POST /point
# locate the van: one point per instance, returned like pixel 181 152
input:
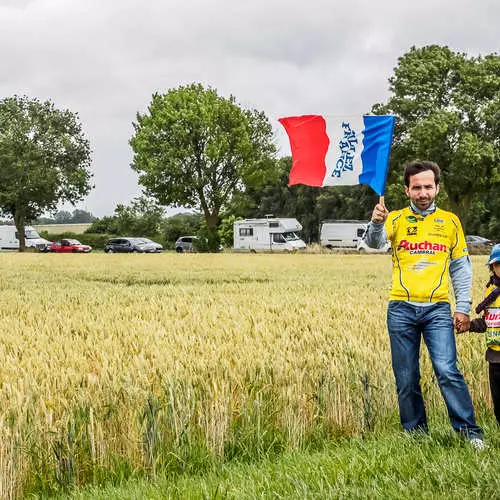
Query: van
pixel 9 239
pixel 342 233
pixel 348 234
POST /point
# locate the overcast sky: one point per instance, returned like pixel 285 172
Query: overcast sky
pixel 104 58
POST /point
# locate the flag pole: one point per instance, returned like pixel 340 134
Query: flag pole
pixel 381 201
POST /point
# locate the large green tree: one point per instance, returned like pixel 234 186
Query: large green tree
pixel 447 106
pixel 196 149
pixel 44 159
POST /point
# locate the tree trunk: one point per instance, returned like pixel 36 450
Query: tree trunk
pixel 461 208
pixel 19 222
pixel 212 221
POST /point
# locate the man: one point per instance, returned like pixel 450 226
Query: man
pixel 428 246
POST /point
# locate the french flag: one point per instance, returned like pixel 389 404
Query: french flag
pixel 336 151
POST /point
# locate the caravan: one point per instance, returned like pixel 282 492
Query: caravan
pixel 347 234
pixel 269 234
pixel 9 239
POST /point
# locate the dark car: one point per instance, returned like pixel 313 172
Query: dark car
pixel 478 241
pixel 69 246
pixel 130 245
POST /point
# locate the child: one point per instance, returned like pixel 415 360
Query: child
pixel 490 323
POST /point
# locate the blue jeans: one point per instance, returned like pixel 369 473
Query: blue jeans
pixel 407 323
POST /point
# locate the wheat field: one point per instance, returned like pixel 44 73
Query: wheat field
pixel 113 364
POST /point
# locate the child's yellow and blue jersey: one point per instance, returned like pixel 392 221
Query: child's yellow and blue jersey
pixel 422 247
pixel 492 320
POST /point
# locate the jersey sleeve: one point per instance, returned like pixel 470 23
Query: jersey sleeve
pixel 389 225
pixel 459 246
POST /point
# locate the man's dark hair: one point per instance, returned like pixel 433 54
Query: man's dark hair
pixel 417 166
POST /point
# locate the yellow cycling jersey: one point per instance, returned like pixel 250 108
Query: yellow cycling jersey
pixel 422 247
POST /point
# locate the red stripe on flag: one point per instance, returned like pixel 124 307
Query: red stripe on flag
pixel 309 144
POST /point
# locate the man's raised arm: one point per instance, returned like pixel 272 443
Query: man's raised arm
pixel 375 235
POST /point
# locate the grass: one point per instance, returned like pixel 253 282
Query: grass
pixel 382 466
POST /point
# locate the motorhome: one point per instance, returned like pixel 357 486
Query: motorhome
pixel 346 234
pixel 9 239
pixel 268 234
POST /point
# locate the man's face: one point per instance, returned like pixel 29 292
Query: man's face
pixel 422 190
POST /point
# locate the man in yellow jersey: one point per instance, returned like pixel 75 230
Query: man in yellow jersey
pixel 428 247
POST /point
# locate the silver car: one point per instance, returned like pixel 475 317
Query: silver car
pixel 157 247
pixel 185 244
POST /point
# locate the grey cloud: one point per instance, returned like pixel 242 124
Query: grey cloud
pixel 104 59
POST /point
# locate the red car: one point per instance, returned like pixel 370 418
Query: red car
pixel 69 246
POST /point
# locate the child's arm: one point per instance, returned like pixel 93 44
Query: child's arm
pixel 478 325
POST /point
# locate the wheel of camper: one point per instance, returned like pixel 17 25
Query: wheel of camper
pixel 178 249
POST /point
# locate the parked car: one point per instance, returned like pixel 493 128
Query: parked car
pixel 69 246
pixel 362 247
pixel 157 246
pixel 130 245
pixel 185 244
pixel 475 241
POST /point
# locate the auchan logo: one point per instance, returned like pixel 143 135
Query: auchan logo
pixel 422 246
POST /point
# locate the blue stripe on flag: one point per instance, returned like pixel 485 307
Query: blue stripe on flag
pixel 377 139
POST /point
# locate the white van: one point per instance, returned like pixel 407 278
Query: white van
pixel 269 234
pixel 9 239
pixel 347 234
pixel 342 233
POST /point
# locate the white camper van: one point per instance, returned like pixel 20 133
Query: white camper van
pixel 342 233
pixel 9 239
pixel 347 234
pixel 269 234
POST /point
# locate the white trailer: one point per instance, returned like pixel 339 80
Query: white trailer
pixel 9 239
pixel 269 234
pixel 347 234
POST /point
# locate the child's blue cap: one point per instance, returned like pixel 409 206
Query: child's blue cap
pixel 494 254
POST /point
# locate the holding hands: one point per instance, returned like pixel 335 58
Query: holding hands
pixel 461 322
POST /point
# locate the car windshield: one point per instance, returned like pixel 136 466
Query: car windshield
pixel 31 234
pixel 138 241
pixel 290 236
pixel 73 242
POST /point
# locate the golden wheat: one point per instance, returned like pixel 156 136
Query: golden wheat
pixel 139 357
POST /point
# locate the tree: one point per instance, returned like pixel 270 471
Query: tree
pixel 62 217
pixel 81 216
pixel 196 149
pixel 447 108
pixel 44 159
pixel 180 225
pixel 143 217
